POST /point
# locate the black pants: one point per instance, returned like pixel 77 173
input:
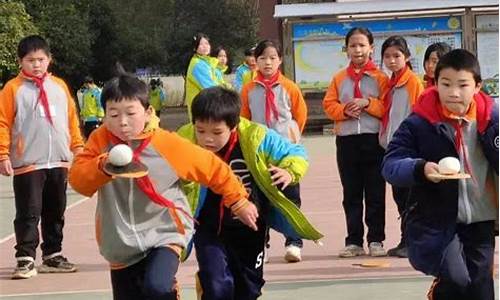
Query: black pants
pixel 400 195
pixel 231 264
pixel 40 194
pixel 292 192
pixel 153 278
pixel 90 126
pixel 467 269
pixel 359 159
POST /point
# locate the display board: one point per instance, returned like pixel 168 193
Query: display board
pixel 487 51
pixel 319 47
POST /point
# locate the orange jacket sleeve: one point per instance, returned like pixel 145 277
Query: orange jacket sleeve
pixel 7 115
pixel 415 88
pixel 194 163
pixel 245 108
pixel 331 102
pixel 299 106
pixel 85 175
pixel 73 121
pixel 376 106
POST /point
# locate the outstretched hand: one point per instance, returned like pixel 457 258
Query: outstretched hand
pixel 248 214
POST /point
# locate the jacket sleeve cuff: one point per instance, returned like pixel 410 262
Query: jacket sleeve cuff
pixel 418 171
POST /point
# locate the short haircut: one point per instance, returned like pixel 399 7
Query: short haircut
pixel 125 86
pixel 458 60
pixel 360 30
pixel 32 43
pixel 217 104
pixel 88 79
pixel 263 45
pixel 400 43
pixel 440 48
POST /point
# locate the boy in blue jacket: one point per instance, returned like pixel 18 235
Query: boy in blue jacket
pixel 450 223
pixel 230 257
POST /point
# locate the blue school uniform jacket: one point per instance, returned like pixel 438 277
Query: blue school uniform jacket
pixel 432 208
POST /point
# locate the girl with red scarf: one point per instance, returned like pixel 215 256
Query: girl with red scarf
pixel 399 97
pixel 431 57
pixel 275 101
pixel 354 101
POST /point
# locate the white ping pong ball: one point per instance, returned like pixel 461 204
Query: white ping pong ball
pixel 120 155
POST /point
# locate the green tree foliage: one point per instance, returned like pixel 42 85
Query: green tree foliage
pixel 15 23
pixel 65 24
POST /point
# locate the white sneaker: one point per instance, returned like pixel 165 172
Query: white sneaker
pixel 292 254
pixel 352 251
pixel 376 249
pixel 266 257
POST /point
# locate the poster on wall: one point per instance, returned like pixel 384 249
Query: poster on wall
pixel 487 51
pixel 319 47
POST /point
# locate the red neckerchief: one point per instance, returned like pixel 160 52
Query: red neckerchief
pixel 147 187
pixel 42 98
pixel 271 108
pixel 429 107
pixel 388 97
pixel 233 140
pixel 356 77
pixel 429 81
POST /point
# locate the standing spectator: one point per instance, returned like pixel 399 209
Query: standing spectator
pixel 157 98
pixel 245 72
pixel 402 93
pixel 431 58
pixel 354 102
pixel 275 101
pixel 91 111
pixel 38 131
pixel 222 67
pixel 201 72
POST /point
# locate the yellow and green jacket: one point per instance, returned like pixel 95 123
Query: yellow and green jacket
pixel 91 109
pixel 201 74
pixel 157 98
pixel 262 147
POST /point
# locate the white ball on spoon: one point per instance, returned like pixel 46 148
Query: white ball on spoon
pixel 449 166
pixel 120 155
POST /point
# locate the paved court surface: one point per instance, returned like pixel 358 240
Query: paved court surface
pixel 321 275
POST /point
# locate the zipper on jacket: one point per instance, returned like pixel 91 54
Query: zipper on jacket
pixel 132 215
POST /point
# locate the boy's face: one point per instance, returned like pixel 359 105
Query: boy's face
pixel 211 135
pixel 456 89
pixel 430 64
pixel 35 63
pixel 126 119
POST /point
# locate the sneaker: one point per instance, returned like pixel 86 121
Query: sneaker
pixel 292 254
pixel 399 251
pixel 352 251
pixel 376 249
pixel 56 264
pixel 25 269
pixel 266 257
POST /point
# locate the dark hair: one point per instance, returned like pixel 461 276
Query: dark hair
pixel 400 43
pixel 215 52
pixel 32 43
pixel 88 79
pixel 217 104
pixel 440 49
pixel 197 39
pixel 458 60
pixel 263 45
pixel 125 86
pixel 361 30
pixel 249 51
